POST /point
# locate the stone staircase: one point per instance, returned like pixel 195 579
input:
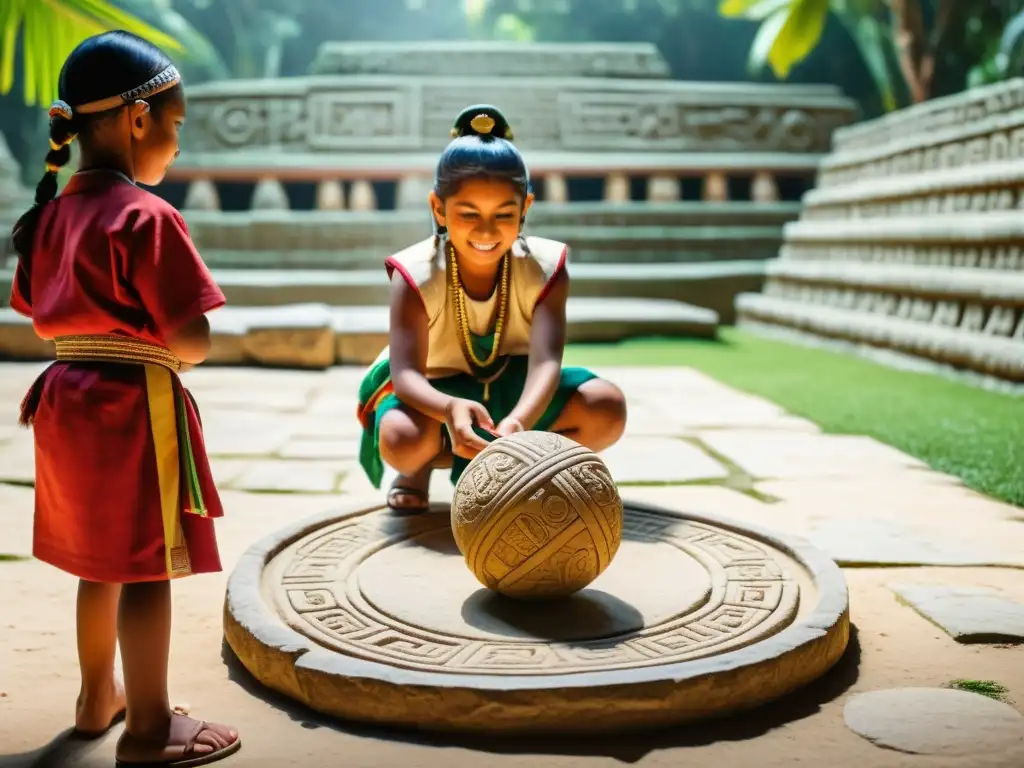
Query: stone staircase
pixel 913 242
pixel 319 335
pixel 671 195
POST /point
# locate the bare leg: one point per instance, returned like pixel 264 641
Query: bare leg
pixel 101 699
pixel 152 731
pixel 411 443
pixel 595 416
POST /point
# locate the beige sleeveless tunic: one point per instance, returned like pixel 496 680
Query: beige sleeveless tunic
pixel 426 270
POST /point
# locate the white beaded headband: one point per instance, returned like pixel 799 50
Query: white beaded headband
pixel 168 78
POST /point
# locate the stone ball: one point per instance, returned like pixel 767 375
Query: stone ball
pixel 537 515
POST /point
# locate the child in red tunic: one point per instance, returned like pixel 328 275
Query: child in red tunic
pixel 124 494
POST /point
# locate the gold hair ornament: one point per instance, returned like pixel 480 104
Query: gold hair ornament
pixel 482 124
pixel 60 108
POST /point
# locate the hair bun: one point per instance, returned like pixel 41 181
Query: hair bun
pixel 482 120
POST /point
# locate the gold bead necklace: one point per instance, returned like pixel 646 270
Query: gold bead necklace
pixel 461 314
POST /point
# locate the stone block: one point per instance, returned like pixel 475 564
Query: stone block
pixel 501 58
pixel 659 460
pixel 277 476
pixel 935 721
pixel 299 336
pixel 967 614
pixel 18 341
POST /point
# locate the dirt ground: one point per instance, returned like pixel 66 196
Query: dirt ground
pixel 892 645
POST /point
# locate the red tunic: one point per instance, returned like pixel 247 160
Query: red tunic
pixel 111 258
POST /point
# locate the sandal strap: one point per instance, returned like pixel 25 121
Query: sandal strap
pixel 416 493
pixel 190 742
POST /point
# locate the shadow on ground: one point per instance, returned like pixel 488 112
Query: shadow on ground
pixel 627 748
pixel 65 749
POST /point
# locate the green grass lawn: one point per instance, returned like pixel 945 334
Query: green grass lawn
pixel 974 434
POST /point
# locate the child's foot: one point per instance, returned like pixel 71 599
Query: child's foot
pixel 409 495
pixel 97 712
pixel 186 742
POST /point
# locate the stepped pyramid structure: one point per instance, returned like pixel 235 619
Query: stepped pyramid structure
pixel 912 241
pixel 671 194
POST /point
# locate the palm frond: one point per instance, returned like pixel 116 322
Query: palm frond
pixel 49 30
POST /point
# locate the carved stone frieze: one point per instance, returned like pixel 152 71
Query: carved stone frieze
pixel 606 97
pixel 917 216
pixel 491 58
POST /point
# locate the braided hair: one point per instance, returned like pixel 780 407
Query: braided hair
pixel 103 67
pixel 481 147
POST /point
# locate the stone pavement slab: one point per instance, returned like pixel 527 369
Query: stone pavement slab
pixel 863 502
pixel 788 454
pixel 968 614
pixel 935 721
pixel 268 475
pixel 659 459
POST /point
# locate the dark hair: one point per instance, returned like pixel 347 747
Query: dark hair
pixel 481 147
pixel 105 66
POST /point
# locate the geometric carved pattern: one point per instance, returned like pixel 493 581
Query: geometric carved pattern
pixel 754 594
pixel 537 515
pixel 912 241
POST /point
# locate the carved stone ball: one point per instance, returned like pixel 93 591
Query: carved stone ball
pixel 537 515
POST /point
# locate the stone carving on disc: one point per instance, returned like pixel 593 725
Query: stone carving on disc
pixel 365 615
pixel 752 596
pixel 537 515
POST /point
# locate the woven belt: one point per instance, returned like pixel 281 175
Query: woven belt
pixel 114 349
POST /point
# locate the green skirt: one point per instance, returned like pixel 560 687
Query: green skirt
pixel 376 399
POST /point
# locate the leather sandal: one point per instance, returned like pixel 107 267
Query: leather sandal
pixel 177 755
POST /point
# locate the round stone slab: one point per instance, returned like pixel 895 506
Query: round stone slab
pixel 935 721
pixel 366 615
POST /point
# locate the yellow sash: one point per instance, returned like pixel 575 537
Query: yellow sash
pixel 168 423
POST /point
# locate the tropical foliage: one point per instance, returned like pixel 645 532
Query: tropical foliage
pixel 49 30
pixel 908 46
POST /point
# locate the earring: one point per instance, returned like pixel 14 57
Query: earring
pixel 521 240
pixel 440 232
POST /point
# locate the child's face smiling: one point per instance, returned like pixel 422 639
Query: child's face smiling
pixel 483 218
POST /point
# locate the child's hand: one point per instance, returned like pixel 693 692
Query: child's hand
pixel 460 417
pixel 508 426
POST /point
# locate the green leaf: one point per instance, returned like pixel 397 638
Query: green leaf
pixel 874 40
pixel 112 17
pixel 196 48
pixel 1012 34
pixel 32 53
pixel 50 30
pixel 799 35
pixel 765 39
pixel 757 10
pixel 12 21
pixel 508 26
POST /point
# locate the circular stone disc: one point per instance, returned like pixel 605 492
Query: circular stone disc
pixel 370 616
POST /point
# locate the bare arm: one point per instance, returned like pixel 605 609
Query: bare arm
pixel 547 345
pixel 408 353
pixel 191 343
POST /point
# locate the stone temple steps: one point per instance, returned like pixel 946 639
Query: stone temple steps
pixel 629 233
pixel 314 318
pixel 318 335
pixel 913 241
pixel 709 285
